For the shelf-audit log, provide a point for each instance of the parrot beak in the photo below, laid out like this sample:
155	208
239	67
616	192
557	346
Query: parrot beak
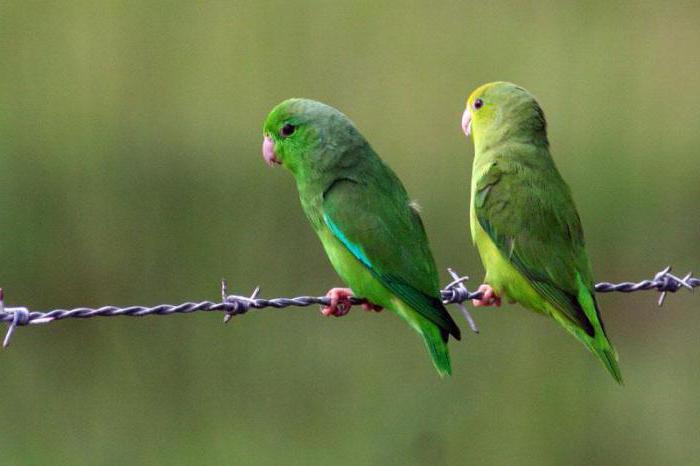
268	152
467	122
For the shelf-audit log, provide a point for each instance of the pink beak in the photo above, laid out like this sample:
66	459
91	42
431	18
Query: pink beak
268	152
467	122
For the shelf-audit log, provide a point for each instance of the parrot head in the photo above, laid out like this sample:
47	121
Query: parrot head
502	110
307	136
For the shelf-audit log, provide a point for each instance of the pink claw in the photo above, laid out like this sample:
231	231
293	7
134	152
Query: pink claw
340	303
488	297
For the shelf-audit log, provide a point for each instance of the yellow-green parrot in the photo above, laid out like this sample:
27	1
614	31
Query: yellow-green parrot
523	219
369	228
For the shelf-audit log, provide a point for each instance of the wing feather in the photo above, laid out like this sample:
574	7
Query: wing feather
377	225
534	223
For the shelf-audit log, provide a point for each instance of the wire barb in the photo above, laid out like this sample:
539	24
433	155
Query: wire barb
20	316
669	282
457	286
232	305
235	305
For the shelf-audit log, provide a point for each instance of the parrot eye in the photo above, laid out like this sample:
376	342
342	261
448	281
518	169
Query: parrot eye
478	103
287	130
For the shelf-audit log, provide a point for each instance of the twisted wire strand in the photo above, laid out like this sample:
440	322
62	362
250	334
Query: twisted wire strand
454	293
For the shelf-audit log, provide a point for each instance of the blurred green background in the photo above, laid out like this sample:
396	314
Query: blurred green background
130	173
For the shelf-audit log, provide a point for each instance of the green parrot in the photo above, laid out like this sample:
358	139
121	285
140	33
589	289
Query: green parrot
523	219
369	228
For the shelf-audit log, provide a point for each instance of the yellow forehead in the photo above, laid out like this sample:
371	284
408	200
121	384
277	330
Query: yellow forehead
479	91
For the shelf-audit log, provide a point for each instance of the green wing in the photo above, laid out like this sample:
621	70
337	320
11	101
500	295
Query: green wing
374	221
531	217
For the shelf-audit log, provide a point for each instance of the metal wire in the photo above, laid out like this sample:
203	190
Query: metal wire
454	293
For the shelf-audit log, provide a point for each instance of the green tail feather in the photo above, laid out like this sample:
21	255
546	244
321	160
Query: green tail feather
600	346
598	343
437	347
609	358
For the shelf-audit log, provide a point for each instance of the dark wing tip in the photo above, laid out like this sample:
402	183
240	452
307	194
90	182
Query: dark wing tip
450	326
454	330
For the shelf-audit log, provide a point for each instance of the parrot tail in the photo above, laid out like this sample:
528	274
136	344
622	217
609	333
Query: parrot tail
434	337
437	347
597	342
607	354
601	346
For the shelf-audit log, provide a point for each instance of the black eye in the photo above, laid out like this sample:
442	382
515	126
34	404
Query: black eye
287	130
478	103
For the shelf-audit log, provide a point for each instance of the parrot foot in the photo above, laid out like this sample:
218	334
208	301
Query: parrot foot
488	297
340	303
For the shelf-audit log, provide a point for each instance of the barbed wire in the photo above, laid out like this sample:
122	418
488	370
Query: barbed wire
232	305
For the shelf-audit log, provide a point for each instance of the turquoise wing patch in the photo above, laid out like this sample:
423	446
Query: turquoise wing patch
353	248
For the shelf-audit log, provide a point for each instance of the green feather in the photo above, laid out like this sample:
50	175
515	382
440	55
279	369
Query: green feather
362	215
377	223
524	221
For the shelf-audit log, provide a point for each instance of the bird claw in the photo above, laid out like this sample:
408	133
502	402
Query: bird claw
340	303
488	297
369	307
